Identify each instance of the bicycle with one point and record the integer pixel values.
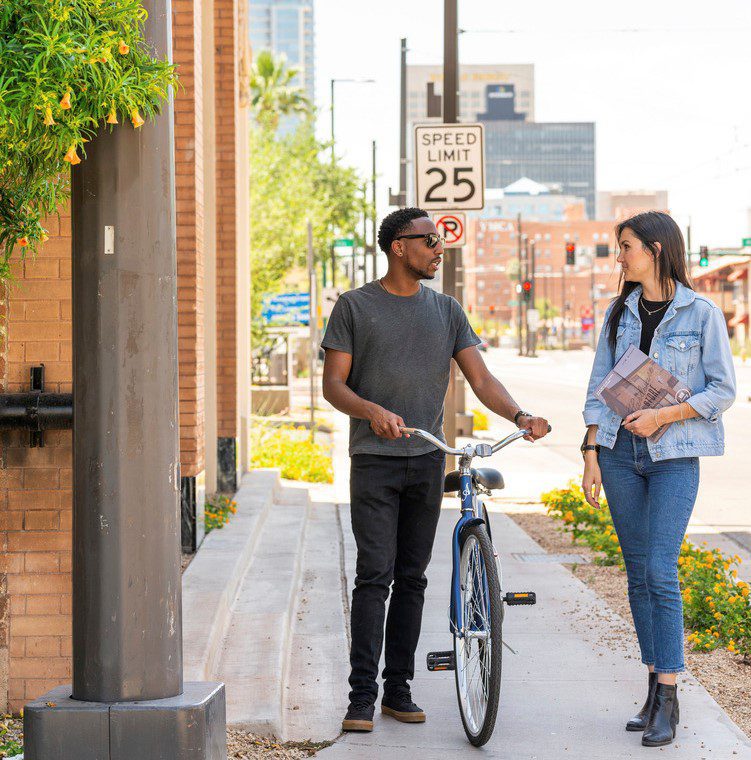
(476, 606)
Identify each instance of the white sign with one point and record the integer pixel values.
(449, 166)
(533, 319)
(453, 227)
(329, 296)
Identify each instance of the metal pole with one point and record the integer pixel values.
(594, 301)
(452, 255)
(563, 307)
(532, 300)
(333, 267)
(364, 232)
(374, 250)
(312, 319)
(526, 302)
(333, 157)
(403, 125)
(519, 294)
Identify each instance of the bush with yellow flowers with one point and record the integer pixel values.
(291, 449)
(67, 67)
(593, 527)
(217, 511)
(716, 605)
(480, 419)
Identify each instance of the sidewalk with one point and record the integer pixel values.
(572, 681)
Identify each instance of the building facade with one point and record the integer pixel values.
(552, 153)
(286, 27)
(616, 205)
(534, 202)
(213, 302)
(474, 81)
(491, 268)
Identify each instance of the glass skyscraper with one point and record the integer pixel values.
(286, 27)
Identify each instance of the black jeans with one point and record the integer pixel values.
(396, 502)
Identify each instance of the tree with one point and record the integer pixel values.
(66, 69)
(273, 92)
(292, 181)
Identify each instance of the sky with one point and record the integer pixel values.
(667, 83)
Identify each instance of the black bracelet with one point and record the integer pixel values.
(520, 413)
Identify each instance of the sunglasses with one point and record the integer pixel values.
(431, 238)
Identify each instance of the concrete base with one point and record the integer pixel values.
(191, 726)
(226, 476)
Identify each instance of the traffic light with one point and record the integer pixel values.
(703, 256)
(527, 290)
(492, 309)
(570, 254)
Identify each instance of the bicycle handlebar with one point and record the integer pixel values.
(459, 452)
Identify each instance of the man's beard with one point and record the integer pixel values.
(423, 275)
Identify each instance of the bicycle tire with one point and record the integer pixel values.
(479, 732)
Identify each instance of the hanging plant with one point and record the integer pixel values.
(66, 67)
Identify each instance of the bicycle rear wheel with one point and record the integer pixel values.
(478, 651)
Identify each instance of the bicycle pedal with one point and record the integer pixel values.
(526, 597)
(441, 661)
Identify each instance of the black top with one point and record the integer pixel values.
(650, 321)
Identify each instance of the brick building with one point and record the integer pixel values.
(490, 266)
(211, 126)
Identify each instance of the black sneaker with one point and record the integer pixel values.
(359, 717)
(399, 705)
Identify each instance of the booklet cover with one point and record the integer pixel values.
(637, 382)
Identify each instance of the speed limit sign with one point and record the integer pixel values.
(449, 166)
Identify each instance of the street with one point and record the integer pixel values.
(554, 385)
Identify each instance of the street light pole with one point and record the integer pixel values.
(374, 218)
(400, 198)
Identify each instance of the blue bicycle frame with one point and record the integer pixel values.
(468, 517)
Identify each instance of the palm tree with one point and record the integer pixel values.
(273, 93)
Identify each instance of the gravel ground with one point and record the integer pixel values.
(722, 674)
(11, 730)
(242, 745)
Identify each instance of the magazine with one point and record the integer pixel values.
(637, 382)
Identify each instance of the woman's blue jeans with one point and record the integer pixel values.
(651, 503)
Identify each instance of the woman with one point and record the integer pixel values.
(651, 486)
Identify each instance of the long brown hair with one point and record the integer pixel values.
(652, 227)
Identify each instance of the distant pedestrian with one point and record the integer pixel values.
(389, 346)
(651, 486)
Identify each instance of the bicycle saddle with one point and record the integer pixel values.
(485, 476)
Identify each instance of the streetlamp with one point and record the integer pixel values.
(333, 82)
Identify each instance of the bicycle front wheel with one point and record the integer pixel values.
(478, 651)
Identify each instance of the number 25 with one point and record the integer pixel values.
(458, 180)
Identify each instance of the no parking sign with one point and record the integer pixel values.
(453, 227)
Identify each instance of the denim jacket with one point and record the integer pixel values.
(692, 343)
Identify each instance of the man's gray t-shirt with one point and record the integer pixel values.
(401, 349)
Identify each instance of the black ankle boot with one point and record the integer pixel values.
(639, 721)
(663, 718)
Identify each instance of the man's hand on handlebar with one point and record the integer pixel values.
(386, 424)
(538, 426)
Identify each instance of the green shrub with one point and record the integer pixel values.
(290, 449)
(715, 604)
(218, 510)
(66, 69)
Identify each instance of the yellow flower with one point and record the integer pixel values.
(123, 49)
(717, 616)
(745, 591)
(23, 242)
(65, 102)
(72, 156)
(48, 120)
(112, 118)
(136, 118)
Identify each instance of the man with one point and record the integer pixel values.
(389, 346)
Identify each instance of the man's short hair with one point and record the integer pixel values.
(395, 224)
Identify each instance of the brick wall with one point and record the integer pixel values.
(227, 105)
(186, 32)
(35, 483)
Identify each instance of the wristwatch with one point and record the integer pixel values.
(520, 413)
(590, 447)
